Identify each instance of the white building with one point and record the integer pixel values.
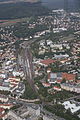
(73, 107)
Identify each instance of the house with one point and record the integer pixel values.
(60, 56)
(67, 87)
(71, 87)
(4, 88)
(46, 84)
(78, 76)
(14, 79)
(57, 88)
(68, 77)
(65, 61)
(46, 62)
(58, 77)
(3, 98)
(18, 73)
(6, 106)
(53, 78)
(56, 46)
(48, 70)
(2, 113)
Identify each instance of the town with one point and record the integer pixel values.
(40, 67)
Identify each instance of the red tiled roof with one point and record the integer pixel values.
(6, 104)
(46, 84)
(57, 87)
(47, 61)
(68, 76)
(59, 81)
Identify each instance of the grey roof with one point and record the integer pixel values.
(53, 75)
(59, 74)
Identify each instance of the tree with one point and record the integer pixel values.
(64, 80)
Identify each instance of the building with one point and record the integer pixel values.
(72, 106)
(3, 98)
(6, 106)
(53, 78)
(4, 88)
(68, 77)
(46, 84)
(2, 113)
(57, 88)
(71, 87)
(46, 62)
(58, 77)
